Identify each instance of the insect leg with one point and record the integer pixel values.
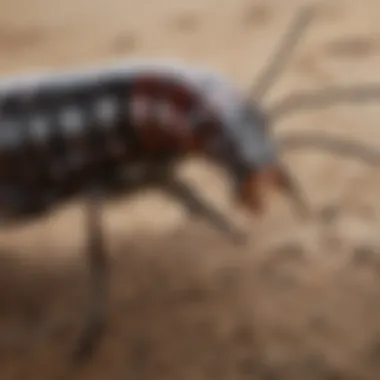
(96, 257)
(162, 176)
(330, 144)
(321, 98)
(200, 207)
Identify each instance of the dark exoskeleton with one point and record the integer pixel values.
(86, 132)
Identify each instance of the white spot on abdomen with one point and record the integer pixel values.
(106, 111)
(10, 135)
(39, 125)
(71, 120)
(139, 110)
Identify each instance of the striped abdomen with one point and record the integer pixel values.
(58, 138)
(53, 136)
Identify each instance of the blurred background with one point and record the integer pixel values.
(301, 301)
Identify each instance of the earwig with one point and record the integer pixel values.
(83, 133)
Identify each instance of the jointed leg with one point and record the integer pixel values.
(162, 176)
(96, 257)
(200, 207)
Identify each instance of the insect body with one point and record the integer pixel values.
(57, 132)
(79, 133)
(75, 133)
(61, 134)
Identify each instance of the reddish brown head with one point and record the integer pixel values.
(250, 156)
(254, 188)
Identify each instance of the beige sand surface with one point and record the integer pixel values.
(302, 301)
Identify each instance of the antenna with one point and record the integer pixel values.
(278, 61)
(329, 143)
(321, 98)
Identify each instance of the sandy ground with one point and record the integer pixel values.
(301, 301)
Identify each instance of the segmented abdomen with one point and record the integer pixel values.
(49, 135)
(67, 134)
